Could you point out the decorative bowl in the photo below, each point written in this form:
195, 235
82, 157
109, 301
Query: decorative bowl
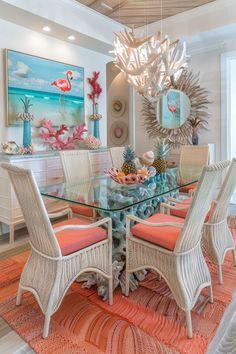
131, 179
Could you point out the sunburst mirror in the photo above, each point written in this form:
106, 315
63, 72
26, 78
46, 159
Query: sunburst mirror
178, 111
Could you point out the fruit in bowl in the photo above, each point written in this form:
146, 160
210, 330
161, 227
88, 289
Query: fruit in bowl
140, 177
128, 166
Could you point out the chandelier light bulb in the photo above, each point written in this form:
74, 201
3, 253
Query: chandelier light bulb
71, 38
46, 29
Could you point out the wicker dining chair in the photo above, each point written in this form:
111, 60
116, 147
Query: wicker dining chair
75, 164
217, 238
171, 246
76, 167
117, 156
99, 161
232, 223
192, 160
59, 253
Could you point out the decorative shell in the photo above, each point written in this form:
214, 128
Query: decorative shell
96, 116
148, 158
25, 116
92, 142
12, 148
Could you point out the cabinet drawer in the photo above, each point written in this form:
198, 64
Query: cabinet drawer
6, 202
5, 213
55, 176
54, 163
36, 165
5, 187
17, 213
41, 178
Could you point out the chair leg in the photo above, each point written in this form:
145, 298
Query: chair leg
46, 325
189, 323
19, 295
211, 294
234, 257
220, 274
126, 283
110, 291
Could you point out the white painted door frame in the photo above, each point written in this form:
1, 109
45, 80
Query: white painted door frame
226, 104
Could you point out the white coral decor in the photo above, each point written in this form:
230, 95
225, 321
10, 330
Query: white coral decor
92, 142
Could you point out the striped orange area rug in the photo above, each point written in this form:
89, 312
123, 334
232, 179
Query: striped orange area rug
147, 322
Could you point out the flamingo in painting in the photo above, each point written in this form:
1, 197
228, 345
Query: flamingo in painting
64, 85
172, 108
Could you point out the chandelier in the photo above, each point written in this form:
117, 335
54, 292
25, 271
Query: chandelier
150, 64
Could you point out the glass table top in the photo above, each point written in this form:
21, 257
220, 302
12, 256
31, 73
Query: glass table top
102, 193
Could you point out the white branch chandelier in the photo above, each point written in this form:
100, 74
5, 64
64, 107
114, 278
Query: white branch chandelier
150, 64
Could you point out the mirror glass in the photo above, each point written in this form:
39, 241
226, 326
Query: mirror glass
173, 109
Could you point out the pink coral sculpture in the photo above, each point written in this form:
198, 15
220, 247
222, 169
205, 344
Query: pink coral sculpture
54, 138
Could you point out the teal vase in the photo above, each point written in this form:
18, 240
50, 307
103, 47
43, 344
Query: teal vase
96, 132
26, 133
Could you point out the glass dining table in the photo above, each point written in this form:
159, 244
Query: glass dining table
117, 201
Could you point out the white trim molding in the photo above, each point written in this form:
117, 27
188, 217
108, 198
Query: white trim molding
226, 103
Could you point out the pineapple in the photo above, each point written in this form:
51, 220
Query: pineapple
129, 165
162, 148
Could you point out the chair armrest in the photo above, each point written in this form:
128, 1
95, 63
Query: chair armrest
164, 207
192, 192
64, 212
179, 201
232, 221
147, 223
173, 207
87, 227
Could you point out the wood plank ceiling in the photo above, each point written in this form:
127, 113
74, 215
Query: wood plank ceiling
137, 13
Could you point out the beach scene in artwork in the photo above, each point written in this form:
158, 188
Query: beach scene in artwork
174, 109
56, 90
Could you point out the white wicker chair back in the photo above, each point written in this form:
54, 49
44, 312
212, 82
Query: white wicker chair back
99, 161
192, 160
117, 156
220, 211
41, 233
75, 165
202, 199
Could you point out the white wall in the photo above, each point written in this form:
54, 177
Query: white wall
117, 87
21, 39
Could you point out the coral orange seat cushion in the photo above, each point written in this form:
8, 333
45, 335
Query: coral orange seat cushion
182, 213
186, 189
164, 236
82, 210
71, 241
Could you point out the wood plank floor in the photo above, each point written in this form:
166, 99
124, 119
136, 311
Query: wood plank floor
10, 342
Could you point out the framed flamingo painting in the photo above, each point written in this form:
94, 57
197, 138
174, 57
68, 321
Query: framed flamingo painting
55, 89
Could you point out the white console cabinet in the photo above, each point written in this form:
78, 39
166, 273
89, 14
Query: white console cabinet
47, 170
